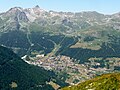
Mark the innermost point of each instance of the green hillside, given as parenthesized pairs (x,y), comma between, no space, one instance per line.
(103,82)
(18,75)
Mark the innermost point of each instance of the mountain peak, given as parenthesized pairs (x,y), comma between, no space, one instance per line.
(37,6)
(16,8)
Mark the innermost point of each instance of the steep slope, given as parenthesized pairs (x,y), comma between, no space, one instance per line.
(16,74)
(103,82)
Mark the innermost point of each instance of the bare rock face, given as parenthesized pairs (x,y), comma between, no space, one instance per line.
(35,13)
(22,16)
(16,14)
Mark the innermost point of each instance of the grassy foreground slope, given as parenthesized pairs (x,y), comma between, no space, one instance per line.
(103,82)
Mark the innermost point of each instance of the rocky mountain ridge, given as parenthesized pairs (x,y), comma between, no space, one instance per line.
(35,13)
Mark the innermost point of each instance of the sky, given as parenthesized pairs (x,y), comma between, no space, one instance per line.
(101,6)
